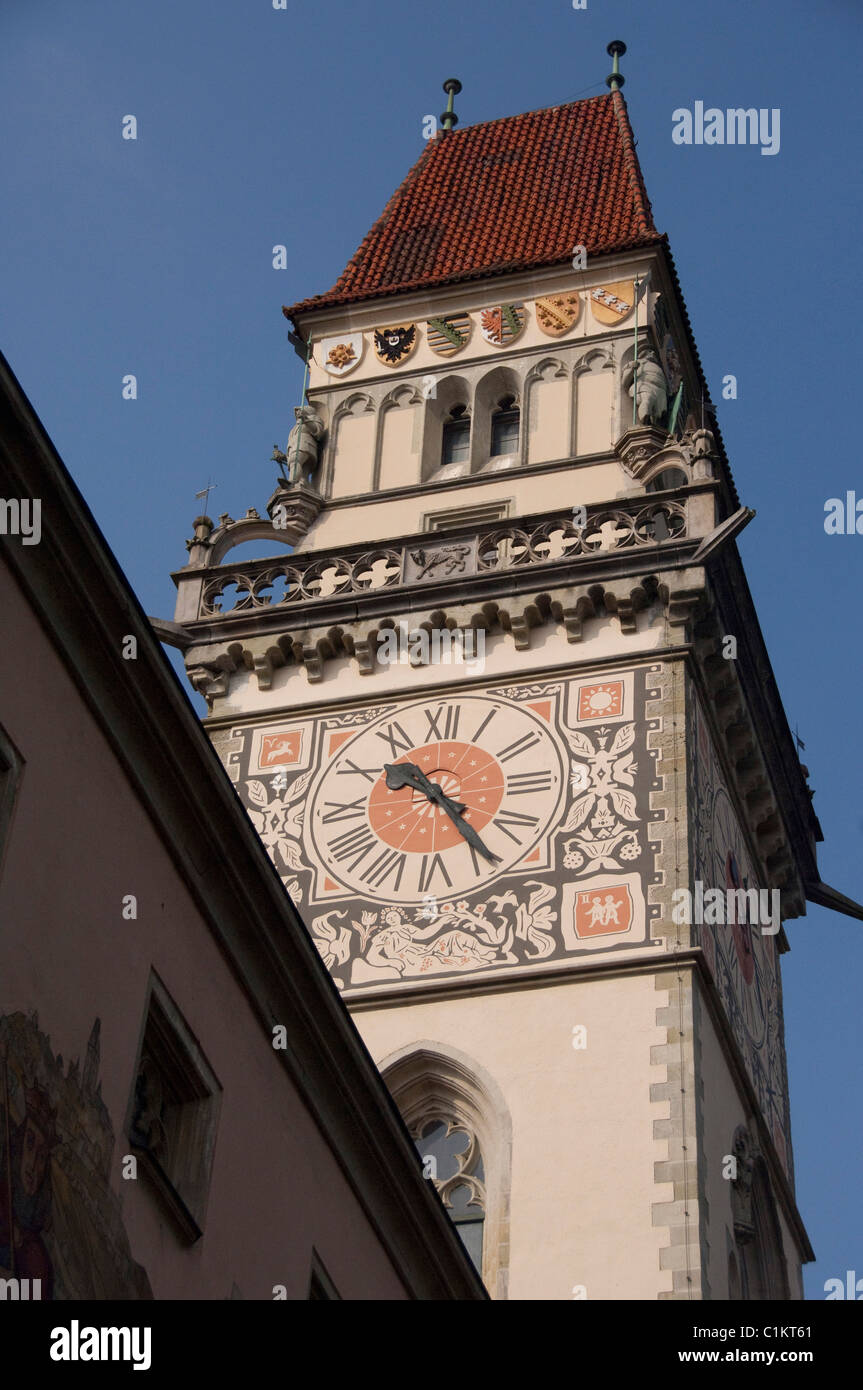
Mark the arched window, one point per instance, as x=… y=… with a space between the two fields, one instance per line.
x=668 y=478
x=460 y=1125
x=505 y=423
x=456 y=437
x=452 y=1159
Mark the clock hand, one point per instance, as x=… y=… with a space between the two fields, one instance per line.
x=469 y=834
x=437 y=794
x=409 y=775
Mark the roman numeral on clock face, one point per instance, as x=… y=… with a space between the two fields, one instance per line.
x=517 y=783
x=521 y=745
x=353 y=845
x=370 y=774
x=397 y=741
x=516 y=818
x=344 y=810
x=428 y=871
x=484 y=725
x=391 y=862
x=480 y=866
x=448 y=715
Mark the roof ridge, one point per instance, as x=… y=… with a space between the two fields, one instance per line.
x=534 y=111
x=631 y=160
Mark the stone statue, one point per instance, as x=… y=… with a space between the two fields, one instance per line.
x=301 y=454
x=741 y=1185
x=650 y=387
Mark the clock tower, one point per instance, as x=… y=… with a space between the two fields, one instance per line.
x=496 y=699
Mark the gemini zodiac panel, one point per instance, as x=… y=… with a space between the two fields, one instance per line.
x=739 y=943
x=458 y=833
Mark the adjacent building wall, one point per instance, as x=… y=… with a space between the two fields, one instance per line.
x=80 y=841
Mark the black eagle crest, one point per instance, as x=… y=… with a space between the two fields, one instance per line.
x=393 y=343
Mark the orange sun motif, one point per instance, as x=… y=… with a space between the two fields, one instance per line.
x=600 y=701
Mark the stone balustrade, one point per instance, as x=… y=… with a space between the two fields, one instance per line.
x=495 y=546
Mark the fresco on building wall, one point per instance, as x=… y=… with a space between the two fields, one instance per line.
x=742 y=958
x=60 y=1222
x=457 y=833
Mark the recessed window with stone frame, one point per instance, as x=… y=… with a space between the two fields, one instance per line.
x=505 y=426
x=174 y=1112
x=456 y=437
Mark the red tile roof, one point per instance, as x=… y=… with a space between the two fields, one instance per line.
x=506 y=195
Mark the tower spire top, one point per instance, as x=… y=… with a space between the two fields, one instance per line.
x=452 y=87
x=615 y=80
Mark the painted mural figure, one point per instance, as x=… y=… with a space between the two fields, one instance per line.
x=602 y=914
x=60 y=1220
x=25 y=1186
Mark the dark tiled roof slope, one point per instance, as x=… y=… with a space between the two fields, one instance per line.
x=506 y=195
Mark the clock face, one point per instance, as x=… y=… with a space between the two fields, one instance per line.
x=501 y=775
x=461 y=830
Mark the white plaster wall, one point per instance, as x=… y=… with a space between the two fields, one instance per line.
x=471 y=298
x=355 y=445
x=594 y=411
x=583 y=1151
x=549 y=420
x=400 y=461
x=385 y=517
x=550 y=435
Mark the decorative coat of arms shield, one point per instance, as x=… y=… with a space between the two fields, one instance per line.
x=502 y=323
x=394 y=344
x=557 y=313
x=341 y=355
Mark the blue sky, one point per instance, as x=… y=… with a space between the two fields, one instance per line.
x=258 y=127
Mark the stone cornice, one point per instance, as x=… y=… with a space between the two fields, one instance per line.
x=516 y=609
x=753 y=733
x=470 y=295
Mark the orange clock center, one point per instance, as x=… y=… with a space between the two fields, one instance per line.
x=407 y=820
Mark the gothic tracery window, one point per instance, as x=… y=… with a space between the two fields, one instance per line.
x=459 y=1123
x=452 y=1160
